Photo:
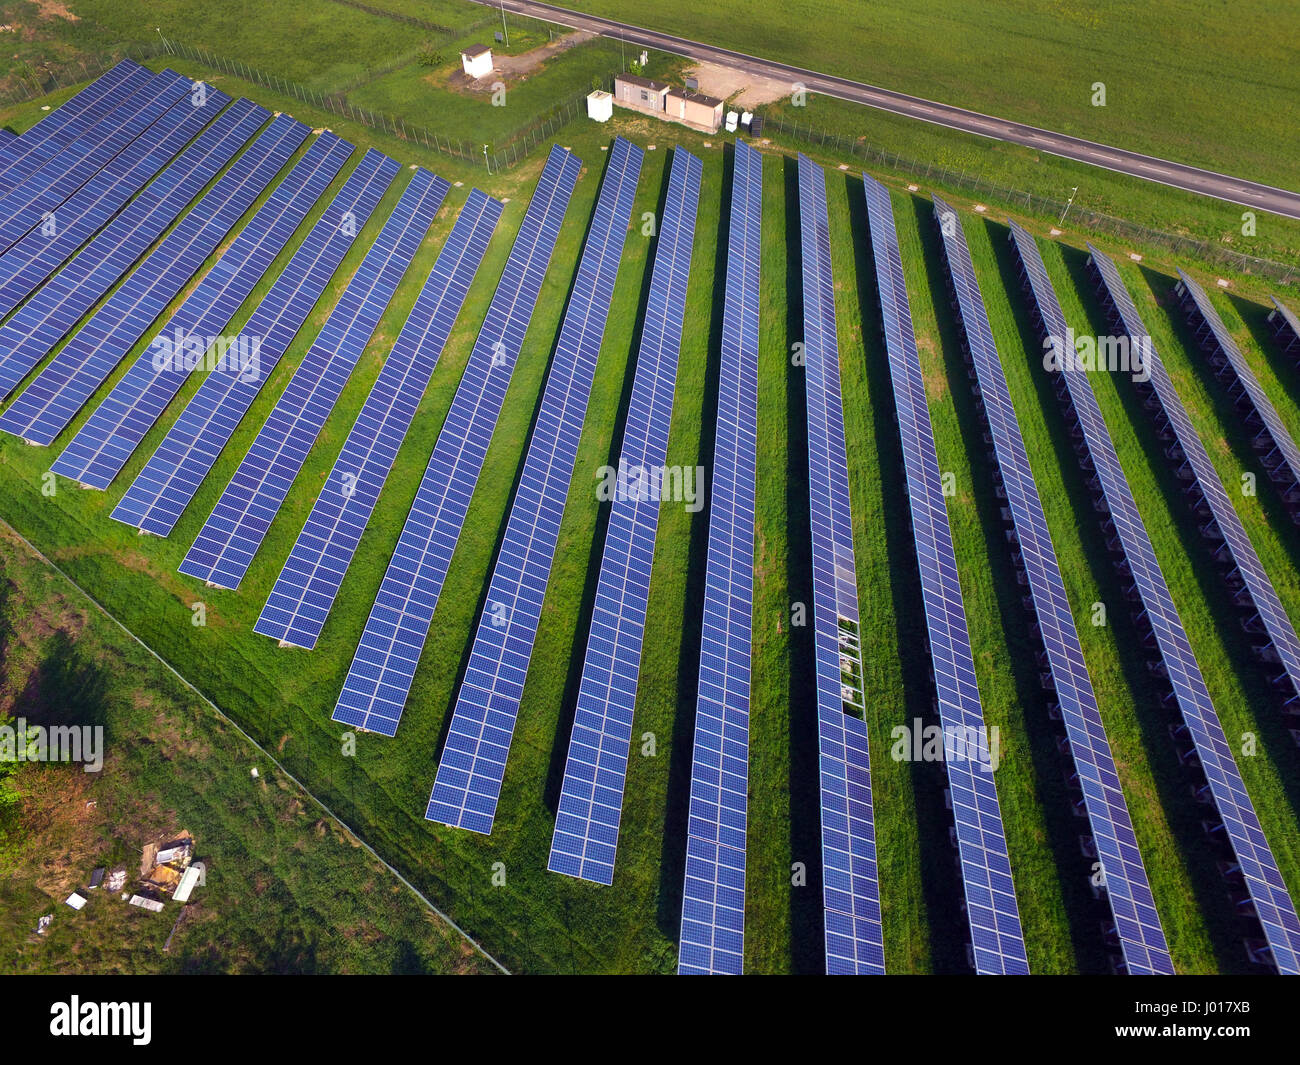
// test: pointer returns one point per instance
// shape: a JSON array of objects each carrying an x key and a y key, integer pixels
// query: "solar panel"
[
  {"x": 110, "y": 436},
  {"x": 50, "y": 402},
  {"x": 1272, "y": 439},
  {"x": 487, "y": 705},
  {"x": 379, "y": 679},
  {"x": 1128, "y": 892},
  {"x": 299, "y": 603},
  {"x": 233, "y": 532},
  {"x": 850, "y": 888},
  {"x": 713, "y": 893},
  {"x": 585, "y": 840},
  {"x": 62, "y": 126},
  {"x": 1259, "y": 869},
  {"x": 38, "y": 254},
  {"x": 40, "y": 323},
  {"x": 1205, "y": 485},
  {"x": 39, "y": 201},
  {"x": 1286, "y": 327},
  {"x": 165, "y": 486},
  {"x": 996, "y": 939}
]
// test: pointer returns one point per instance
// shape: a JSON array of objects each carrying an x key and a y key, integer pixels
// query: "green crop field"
[{"x": 496, "y": 887}]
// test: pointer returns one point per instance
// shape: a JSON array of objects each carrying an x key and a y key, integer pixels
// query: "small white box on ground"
[
  {"x": 731, "y": 121},
  {"x": 600, "y": 106}
]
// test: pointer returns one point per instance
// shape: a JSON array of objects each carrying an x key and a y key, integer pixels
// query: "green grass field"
[
  {"x": 1207, "y": 84},
  {"x": 537, "y": 921}
]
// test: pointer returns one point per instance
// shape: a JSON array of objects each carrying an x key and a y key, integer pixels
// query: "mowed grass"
[
  {"x": 472, "y": 115},
  {"x": 537, "y": 921},
  {"x": 1206, "y": 84}
]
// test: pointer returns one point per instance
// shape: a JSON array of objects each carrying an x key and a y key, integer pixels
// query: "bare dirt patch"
[
  {"x": 749, "y": 91},
  {"x": 508, "y": 69}
]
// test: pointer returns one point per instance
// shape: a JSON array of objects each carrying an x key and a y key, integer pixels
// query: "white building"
[{"x": 477, "y": 60}]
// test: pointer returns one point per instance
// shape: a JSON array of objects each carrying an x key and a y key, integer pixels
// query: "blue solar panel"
[
  {"x": 474, "y": 760},
  {"x": 165, "y": 486},
  {"x": 112, "y": 433},
  {"x": 51, "y": 313},
  {"x": 57, "y": 131},
  {"x": 37, "y": 255},
  {"x": 1272, "y": 440},
  {"x": 1259, "y": 869},
  {"x": 996, "y": 938},
  {"x": 1236, "y": 547},
  {"x": 233, "y": 532},
  {"x": 50, "y": 402},
  {"x": 380, "y": 678},
  {"x": 850, "y": 889},
  {"x": 41, "y": 199},
  {"x": 299, "y": 603},
  {"x": 1137, "y": 925},
  {"x": 713, "y": 893},
  {"x": 591, "y": 796}
]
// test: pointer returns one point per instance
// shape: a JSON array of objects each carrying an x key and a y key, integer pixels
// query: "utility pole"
[
  {"x": 486, "y": 162},
  {"x": 505, "y": 32}
]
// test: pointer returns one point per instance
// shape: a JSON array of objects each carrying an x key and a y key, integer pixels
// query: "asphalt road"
[{"x": 1178, "y": 175}]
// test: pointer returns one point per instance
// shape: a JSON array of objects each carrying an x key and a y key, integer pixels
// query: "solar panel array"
[
  {"x": 997, "y": 941},
  {"x": 383, "y": 668},
  {"x": 300, "y": 602},
  {"x": 37, "y": 255},
  {"x": 713, "y": 895},
  {"x": 1259, "y": 869},
  {"x": 850, "y": 877},
  {"x": 1236, "y": 542},
  {"x": 38, "y": 201},
  {"x": 233, "y": 532},
  {"x": 31, "y": 170},
  {"x": 585, "y": 840},
  {"x": 164, "y": 488},
  {"x": 54, "y": 132},
  {"x": 1273, "y": 440},
  {"x": 1137, "y": 924},
  {"x": 112, "y": 433},
  {"x": 474, "y": 759},
  {"x": 51, "y": 313},
  {"x": 1286, "y": 327},
  {"x": 50, "y": 402}
]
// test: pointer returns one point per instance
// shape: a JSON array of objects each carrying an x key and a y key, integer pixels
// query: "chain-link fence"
[{"x": 1080, "y": 217}]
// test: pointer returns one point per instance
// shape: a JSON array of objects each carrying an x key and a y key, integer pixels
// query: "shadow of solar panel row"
[
  {"x": 38, "y": 254},
  {"x": 54, "y": 133},
  {"x": 713, "y": 892},
  {"x": 1286, "y": 328},
  {"x": 40, "y": 199},
  {"x": 585, "y": 840},
  {"x": 50, "y": 402},
  {"x": 997, "y": 941},
  {"x": 850, "y": 887},
  {"x": 1259, "y": 869},
  {"x": 474, "y": 759},
  {"x": 1271, "y": 440},
  {"x": 1128, "y": 892},
  {"x": 233, "y": 532},
  {"x": 58, "y": 305},
  {"x": 164, "y": 488},
  {"x": 96, "y": 455},
  {"x": 383, "y": 668},
  {"x": 301, "y": 599},
  {"x": 1251, "y": 585}
]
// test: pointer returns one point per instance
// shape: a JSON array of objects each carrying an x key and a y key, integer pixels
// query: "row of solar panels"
[{"x": 115, "y": 142}]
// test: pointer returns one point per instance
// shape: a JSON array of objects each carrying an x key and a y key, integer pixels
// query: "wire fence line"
[{"x": 1083, "y": 217}]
